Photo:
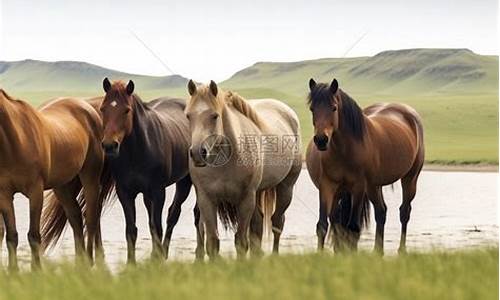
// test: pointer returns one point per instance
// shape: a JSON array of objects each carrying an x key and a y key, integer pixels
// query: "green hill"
[
  {"x": 455, "y": 90},
  {"x": 40, "y": 80}
]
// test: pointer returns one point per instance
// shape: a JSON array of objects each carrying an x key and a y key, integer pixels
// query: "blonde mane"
[
  {"x": 241, "y": 105},
  {"x": 229, "y": 98}
]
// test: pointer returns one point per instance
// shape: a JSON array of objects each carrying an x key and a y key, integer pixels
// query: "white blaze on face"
[{"x": 113, "y": 104}]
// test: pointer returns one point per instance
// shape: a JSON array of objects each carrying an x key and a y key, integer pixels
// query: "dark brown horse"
[
  {"x": 359, "y": 151},
  {"x": 56, "y": 147},
  {"x": 147, "y": 145}
]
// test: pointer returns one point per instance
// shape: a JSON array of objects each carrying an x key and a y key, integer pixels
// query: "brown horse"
[
  {"x": 244, "y": 154},
  {"x": 360, "y": 151},
  {"x": 57, "y": 147}
]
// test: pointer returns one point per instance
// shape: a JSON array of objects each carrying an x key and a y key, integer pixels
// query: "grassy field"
[
  {"x": 454, "y": 90},
  {"x": 471, "y": 274}
]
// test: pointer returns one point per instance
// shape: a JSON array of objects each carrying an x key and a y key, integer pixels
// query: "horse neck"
[
  {"x": 138, "y": 135},
  {"x": 343, "y": 141},
  {"x": 228, "y": 124}
]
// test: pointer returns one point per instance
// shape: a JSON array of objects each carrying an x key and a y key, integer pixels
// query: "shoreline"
[
  {"x": 481, "y": 167},
  {"x": 436, "y": 167}
]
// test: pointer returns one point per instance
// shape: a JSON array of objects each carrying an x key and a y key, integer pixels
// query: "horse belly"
[{"x": 67, "y": 157}]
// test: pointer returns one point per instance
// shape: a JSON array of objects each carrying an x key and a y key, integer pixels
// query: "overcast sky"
[{"x": 213, "y": 39}]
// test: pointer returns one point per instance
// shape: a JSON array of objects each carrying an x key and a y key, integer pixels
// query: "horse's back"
[
  {"x": 396, "y": 128},
  {"x": 281, "y": 124},
  {"x": 276, "y": 115}
]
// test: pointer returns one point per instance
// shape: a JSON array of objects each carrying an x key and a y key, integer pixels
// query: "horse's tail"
[
  {"x": 266, "y": 203},
  {"x": 343, "y": 213},
  {"x": 54, "y": 218},
  {"x": 365, "y": 213},
  {"x": 228, "y": 214}
]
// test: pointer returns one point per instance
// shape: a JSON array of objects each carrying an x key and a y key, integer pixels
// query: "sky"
[{"x": 207, "y": 40}]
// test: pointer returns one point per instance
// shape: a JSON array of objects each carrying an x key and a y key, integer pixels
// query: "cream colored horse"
[{"x": 242, "y": 152}]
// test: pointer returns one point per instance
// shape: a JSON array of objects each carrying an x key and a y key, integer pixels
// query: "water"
[{"x": 451, "y": 210}]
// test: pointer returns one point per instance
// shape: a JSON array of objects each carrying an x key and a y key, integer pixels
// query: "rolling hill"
[
  {"x": 40, "y": 76},
  {"x": 455, "y": 90},
  {"x": 415, "y": 71}
]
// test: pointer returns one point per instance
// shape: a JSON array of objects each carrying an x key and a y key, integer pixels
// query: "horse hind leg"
[
  {"x": 409, "y": 187},
  {"x": 66, "y": 195},
  {"x": 284, "y": 194},
  {"x": 36, "y": 204},
  {"x": 182, "y": 189}
]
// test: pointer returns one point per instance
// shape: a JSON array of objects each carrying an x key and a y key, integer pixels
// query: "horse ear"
[
  {"x": 312, "y": 84},
  {"x": 213, "y": 88},
  {"x": 130, "y": 87},
  {"x": 334, "y": 86},
  {"x": 106, "y": 85},
  {"x": 191, "y": 87}
]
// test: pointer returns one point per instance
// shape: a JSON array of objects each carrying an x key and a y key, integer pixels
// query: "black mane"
[{"x": 351, "y": 115}]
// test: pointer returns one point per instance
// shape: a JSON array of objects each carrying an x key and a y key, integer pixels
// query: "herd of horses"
[{"x": 84, "y": 149}]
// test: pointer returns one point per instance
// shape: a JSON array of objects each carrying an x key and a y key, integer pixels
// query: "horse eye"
[
  {"x": 334, "y": 108},
  {"x": 188, "y": 116},
  {"x": 215, "y": 116},
  {"x": 127, "y": 110}
]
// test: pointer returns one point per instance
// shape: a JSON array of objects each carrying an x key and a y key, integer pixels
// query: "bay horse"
[
  {"x": 359, "y": 151},
  {"x": 56, "y": 147},
  {"x": 147, "y": 146},
  {"x": 244, "y": 161}
]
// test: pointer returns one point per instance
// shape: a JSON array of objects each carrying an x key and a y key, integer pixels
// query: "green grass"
[{"x": 468, "y": 274}]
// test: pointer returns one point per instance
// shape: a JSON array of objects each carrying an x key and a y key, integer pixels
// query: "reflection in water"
[{"x": 451, "y": 210}]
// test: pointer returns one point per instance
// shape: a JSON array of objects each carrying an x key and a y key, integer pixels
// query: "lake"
[{"x": 451, "y": 210}]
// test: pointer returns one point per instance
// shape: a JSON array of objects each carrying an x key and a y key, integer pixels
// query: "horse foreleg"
[
  {"x": 245, "y": 211},
  {"x": 154, "y": 201},
  {"x": 208, "y": 212},
  {"x": 126, "y": 199},
  {"x": 327, "y": 193},
  {"x": 182, "y": 189},
  {"x": 200, "y": 234},
  {"x": 7, "y": 209}
]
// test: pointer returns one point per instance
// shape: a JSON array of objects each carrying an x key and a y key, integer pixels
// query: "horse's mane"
[
  {"x": 229, "y": 98},
  {"x": 4, "y": 93},
  {"x": 242, "y": 106},
  {"x": 352, "y": 117}
]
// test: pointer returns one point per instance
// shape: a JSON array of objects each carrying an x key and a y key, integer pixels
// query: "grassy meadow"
[
  {"x": 467, "y": 274},
  {"x": 454, "y": 90}
]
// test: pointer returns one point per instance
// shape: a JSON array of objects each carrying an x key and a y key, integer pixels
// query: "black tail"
[
  {"x": 54, "y": 218},
  {"x": 228, "y": 215},
  {"x": 344, "y": 212}
]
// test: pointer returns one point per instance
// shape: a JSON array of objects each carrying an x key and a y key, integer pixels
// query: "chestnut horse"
[
  {"x": 359, "y": 151},
  {"x": 56, "y": 147},
  {"x": 147, "y": 146},
  {"x": 231, "y": 180}
]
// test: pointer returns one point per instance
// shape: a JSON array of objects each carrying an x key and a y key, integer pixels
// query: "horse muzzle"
[
  {"x": 111, "y": 149},
  {"x": 198, "y": 156},
  {"x": 321, "y": 141}
]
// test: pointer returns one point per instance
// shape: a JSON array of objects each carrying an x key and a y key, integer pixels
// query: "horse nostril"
[
  {"x": 203, "y": 152},
  {"x": 320, "y": 140}
]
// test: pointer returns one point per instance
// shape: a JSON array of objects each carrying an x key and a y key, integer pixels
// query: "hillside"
[
  {"x": 454, "y": 90},
  {"x": 41, "y": 76}
]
